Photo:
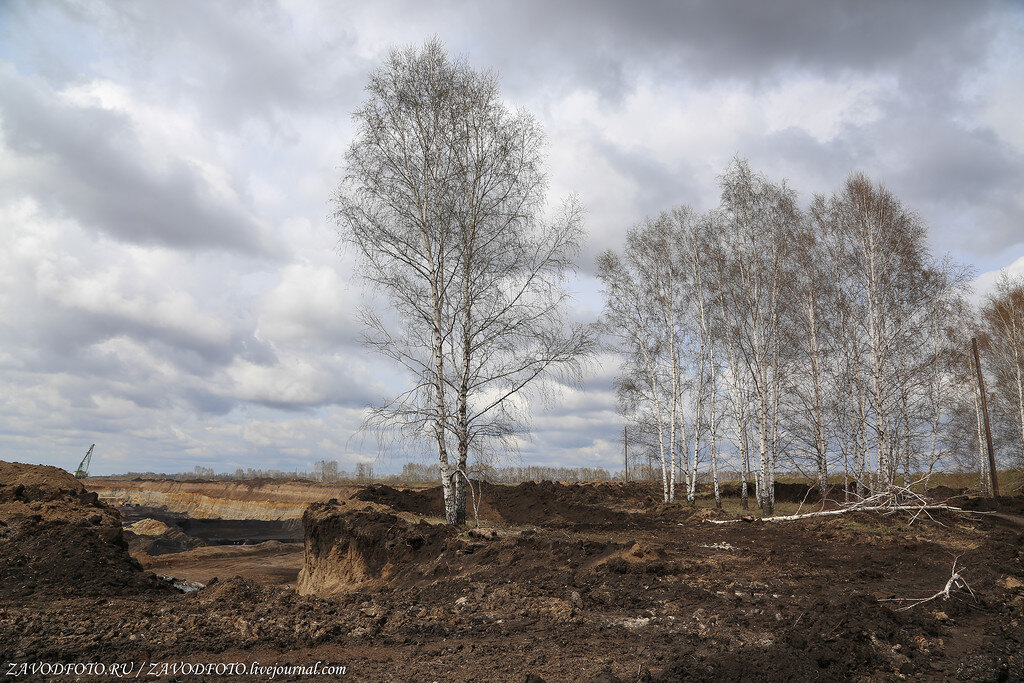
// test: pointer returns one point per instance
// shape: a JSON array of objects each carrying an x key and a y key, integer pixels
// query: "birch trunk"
[
  {"x": 820, "y": 444},
  {"x": 714, "y": 432},
  {"x": 691, "y": 482},
  {"x": 1015, "y": 345},
  {"x": 765, "y": 494},
  {"x": 982, "y": 459}
]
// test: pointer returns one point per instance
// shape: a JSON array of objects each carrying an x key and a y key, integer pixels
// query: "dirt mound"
[
  {"x": 43, "y": 491},
  {"x": 543, "y": 503},
  {"x": 235, "y": 590},
  {"x": 360, "y": 550},
  {"x": 795, "y": 493},
  {"x": 427, "y": 502},
  {"x": 784, "y": 493},
  {"x": 34, "y": 476},
  {"x": 148, "y": 527},
  {"x": 945, "y": 493},
  {"x": 58, "y": 539},
  {"x": 549, "y": 503},
  {"x": 349, "y": 549},
  {"x": 1013, "y": 505},
  {"x": 169, "y": 541}
]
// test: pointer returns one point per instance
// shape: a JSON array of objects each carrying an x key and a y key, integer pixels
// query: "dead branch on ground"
[{"x": 956, "y": 582}]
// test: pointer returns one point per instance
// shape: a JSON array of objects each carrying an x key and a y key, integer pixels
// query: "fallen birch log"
[{"x": 843, "y": 511}]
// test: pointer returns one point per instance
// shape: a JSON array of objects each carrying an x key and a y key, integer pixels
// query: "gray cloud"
[
  {"x": 87, "y": 162},
  {"x": 238, "y": 63},
  {"x": 598, "y": 43}
]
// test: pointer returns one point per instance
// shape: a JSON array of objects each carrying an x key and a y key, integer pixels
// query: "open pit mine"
[{"x": 553, "y": 582}]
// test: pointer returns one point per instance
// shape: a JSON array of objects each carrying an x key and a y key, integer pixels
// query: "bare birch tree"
[
  {"x": 641, "y": 290},
  {"x": 814, "y": 290},
  {"x": 443, "y": 200},
  {"x": 1002, "y": 318},
  {"x": 759, "y": 220}
]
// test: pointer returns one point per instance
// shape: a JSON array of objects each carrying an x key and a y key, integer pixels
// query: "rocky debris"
[
  {"x": 58, "y": 539},
  {"x": 183, "y": 585}
]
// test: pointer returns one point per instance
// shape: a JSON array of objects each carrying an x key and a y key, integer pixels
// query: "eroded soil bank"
[{"x": 629, "y": 591}]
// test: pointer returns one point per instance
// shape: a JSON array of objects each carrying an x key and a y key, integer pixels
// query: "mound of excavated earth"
[
  {"x": 57, "y": 539},
  {"x": 546, "y": 503},
  {"x": 153, "y": 537},
  {"x": 543, "y": 503},
  {"x": 348, "y": 549}
]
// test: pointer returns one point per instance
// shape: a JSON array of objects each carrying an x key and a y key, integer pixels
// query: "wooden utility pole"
[
  {"x": 625, "y": 453},
  {"x": 984, "y": 412}
]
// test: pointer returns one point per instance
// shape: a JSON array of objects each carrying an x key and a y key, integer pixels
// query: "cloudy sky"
[{"x": 171, "y": 287}]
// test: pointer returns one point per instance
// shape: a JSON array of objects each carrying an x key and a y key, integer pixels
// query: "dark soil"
[
  {"x": 1013, "y": 505},
  {"x": 653, "y": 598},
  {"x": 554, "y": 504},
  {"x": 57, "y": 539},
  {"x": 784, "y": 493},
  {"x": 350, "y": 548},
  {"x": 546, "y": 503},
  {"x": 426, "y": 502},
  {"x": 944, "y": 493}
]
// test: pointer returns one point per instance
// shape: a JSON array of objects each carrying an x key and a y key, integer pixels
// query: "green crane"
[{"x": 83, "y": 467}]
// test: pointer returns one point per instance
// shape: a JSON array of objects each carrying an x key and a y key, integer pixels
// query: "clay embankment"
[{"x": 265, "y": 500}]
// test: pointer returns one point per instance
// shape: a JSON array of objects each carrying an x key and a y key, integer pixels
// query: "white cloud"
[
  {"x": 311, "y": 303},
  {"x": 982, "y": 285}
]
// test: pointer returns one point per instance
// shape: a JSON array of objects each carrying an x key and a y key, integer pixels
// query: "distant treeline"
[
  {"x": 411, "y": 473},
  {"x": 414, "y": 473},
  {"x": 640, "y": 469}
]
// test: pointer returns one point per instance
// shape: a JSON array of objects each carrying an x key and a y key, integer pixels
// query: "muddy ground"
[{"x": 562, "y": 583}]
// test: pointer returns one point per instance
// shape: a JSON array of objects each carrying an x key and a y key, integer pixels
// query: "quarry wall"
[{"x": 256, "y": 500}]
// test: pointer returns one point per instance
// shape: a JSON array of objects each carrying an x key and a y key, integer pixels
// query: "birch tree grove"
[
  {"x": 443, "y": 200},
  {"x": 824, "y": 337}
]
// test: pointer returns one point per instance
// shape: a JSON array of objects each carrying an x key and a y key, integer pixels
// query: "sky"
[{"x": 171, "y": 284}]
